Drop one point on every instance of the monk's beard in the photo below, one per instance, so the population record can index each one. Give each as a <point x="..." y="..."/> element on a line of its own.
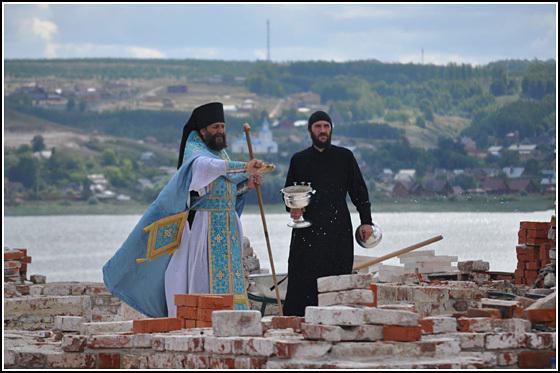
<point x="215" y="142"/>
<point x="321" y="144"/>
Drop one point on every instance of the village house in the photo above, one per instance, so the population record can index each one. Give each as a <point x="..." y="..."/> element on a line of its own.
<point x="406" y="188"/>
<point x="524" y="184"/>
<point x="436" y="187"/>
<point x="513" y="172"/>
<point x="494" y="185"/>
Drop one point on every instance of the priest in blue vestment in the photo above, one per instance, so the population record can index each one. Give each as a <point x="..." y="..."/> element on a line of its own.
<point x="190" y="238"/>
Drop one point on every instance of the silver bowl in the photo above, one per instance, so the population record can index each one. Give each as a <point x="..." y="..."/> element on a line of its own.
<point x="373" y="240"/>
<point x="298" y="197"/>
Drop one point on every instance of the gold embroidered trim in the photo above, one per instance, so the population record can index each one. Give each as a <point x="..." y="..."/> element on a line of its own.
<point x="151" y="251"/>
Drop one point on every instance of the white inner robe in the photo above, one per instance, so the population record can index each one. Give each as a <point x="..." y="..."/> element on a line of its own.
<point x="187" y="271"/>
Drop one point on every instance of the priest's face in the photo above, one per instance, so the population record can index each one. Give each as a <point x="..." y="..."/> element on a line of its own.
<point x="321" y="134"/>
<point x="214" y="136"/>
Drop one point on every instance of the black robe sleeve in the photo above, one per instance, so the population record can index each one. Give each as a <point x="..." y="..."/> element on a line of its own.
<point x="358" y="192"/>
<point x="290" y="178"/>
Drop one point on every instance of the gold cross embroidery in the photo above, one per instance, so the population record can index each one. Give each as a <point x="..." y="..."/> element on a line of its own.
<point x="168" y="232"/>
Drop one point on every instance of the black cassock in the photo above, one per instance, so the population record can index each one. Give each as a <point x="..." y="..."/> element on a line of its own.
<point x="326" y="248"/>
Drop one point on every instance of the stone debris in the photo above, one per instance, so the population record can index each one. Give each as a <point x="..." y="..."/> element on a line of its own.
<point x="422" y="323"/>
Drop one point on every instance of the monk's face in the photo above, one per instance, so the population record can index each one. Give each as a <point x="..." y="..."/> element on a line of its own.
<point x="214" y="136"/>
<point x="321" y="133"/>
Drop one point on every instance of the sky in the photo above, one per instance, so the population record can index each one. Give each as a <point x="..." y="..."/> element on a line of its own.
<point x="460" y="33"/>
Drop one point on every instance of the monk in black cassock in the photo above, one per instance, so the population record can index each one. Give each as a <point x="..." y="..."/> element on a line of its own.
<point x="326" y="248"/>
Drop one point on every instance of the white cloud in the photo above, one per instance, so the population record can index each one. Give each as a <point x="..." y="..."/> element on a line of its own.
<point x="138" y="52"/>
<point x="354" y="12"/>
<point x="439" y="59"/>
<point x="42" y="28"/>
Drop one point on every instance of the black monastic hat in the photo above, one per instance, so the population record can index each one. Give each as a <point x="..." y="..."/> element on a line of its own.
<point x="317" y="116"/>
<point x="201" y="117"/>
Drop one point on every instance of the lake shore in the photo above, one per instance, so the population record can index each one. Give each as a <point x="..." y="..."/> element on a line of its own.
<point x="436" y="204"/>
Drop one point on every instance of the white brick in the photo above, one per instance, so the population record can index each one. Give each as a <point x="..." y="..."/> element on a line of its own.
<point x="294" y="349"/>
<point x="413" y="254"/>
<point x="186" y="343"/>
<point x="388" y="273"/>
<point x="106" y="327"/>
<point x="253" y="346"/>
<point x="355" y="296"/>
<point x="390" y="317"/>
<point x="503" y="341"/>
<point x="68" y="323"/>
<point x="362" y="333"/>
<point x="469" y="341"/>
<point x="36" y="290"/>
<point x="431" y="259"/>
<point x="47" y="306"/>
<point x="400" y="307"/>
<point x="511" y="325"/>
<point x="73" y="343"/>
<point x="540" y="341"/>
<point x="334" y="315"/>
<point x="61" y="290"/>
<point x="473" y="265"/>
<point x="344" y="282"/>
<point x="333" y="333"/>
<point x="349" y="350"/>
<point x="442" y="324"/>
<point x="236" y="323"/>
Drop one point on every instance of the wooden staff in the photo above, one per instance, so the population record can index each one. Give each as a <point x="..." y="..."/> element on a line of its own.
<point x="398" y="252"/>
<point x="247" y="129"/>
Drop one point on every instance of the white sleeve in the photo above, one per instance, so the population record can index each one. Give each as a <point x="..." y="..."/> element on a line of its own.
<point x="206" y="170"/>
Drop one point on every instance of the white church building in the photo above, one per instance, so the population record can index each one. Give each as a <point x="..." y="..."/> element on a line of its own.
<point x="262" y="141"/>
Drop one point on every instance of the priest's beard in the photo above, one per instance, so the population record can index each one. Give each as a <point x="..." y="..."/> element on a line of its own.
<point x="320" y="141"/>
<point x="215" y="142"/>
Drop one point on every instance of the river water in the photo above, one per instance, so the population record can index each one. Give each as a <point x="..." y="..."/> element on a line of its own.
<point x="75" y="247"/>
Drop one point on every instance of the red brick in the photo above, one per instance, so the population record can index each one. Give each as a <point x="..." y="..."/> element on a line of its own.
<point x="187" y="324"/>
<point x="186" y="300"/>
<point x="157" y="325"/>
<point x="222" y="362"/>
<point x="527" y="252"/>
<point x="13" y="255"/>
<point x="204" y="314"/>
<point x="531" y="276"/>
<point x="26" y="259"/>
<point x="537" y="233"/>
<point x="427" y="326"/>
<point x="203" y="324"/>
<point x="544" y="252"/>
<point x="536" y="241"/>
<point x="534" y="225"/>
<point x="216" y="301"/>
<point x="543" y="315"/>
<point x="188" y="313"/>
<point x="401" y="333"/>
<point x="484" y="312"/>
<point x="533" y="266"/>
<point x="109" y="361"/>
<point x="23" y="289"/>
<point x="12" y="264"/>
<point x="535" y="359"/>
<point x="374" y="289"/>
<point x="250" y="362"/>
<point x="284" y="322"/>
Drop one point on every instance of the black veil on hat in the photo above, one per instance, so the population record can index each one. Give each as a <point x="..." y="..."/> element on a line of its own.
<point x="201" y="117"/>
